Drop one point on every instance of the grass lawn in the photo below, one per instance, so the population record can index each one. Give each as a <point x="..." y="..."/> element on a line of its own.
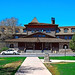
<point x="9" y="65"/>
<point x="61" y="68"/>
<point x="61" y="58"/>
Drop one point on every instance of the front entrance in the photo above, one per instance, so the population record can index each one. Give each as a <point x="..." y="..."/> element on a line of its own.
<point x="38" y="46"/>
<point x="55" y="46"/>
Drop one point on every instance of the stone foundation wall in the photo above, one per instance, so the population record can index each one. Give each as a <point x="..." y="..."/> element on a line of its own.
<point x="15" y="45"/>
<point x="2" y="44"/>
<point x="62" y="44"/>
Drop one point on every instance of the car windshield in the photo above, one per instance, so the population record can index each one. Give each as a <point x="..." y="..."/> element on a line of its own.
<point x="10" y="50"/>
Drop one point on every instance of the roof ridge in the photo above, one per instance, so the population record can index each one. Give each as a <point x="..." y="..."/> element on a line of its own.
<point x="34" y="20"/>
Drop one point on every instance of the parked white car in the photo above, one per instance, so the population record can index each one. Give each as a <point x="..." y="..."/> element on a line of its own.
<point x="10" y="51"/>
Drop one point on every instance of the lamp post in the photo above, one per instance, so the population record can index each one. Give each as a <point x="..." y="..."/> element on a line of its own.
<point x="65" y="50"/>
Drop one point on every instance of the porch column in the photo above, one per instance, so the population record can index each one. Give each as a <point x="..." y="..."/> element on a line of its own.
<point x="51" y="48"/>
<point x="33" y="46"/>
<point x="42" y="46"/>
<point x="25" y="44"/>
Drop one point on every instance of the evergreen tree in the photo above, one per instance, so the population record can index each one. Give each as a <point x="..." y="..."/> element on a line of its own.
<point x="72" y="43"/>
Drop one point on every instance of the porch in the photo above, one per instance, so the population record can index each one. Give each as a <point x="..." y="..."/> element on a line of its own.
<point x="38" y="46"/>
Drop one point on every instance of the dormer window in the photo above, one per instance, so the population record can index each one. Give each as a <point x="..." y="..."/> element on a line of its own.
<point x="73" y="29"/>
<point x="65" y="30"/>
<point x="57" y="37"/>
<point x="2" y="29"/>
<point x="39" y="30"/>
<point x="32" y="31"/>
<point x="42" y="30"/>
<point x="48" y="31"/>
<point x="17" y="30"/>
<point x="24" y="31"/>
<point x="57" y="31"/>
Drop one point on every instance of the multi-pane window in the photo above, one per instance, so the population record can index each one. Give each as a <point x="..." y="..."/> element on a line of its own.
<point x="65" y="30"/>
<point x="73" y="29"/>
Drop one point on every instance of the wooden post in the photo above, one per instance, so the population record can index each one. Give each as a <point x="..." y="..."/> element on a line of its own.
<point x="51" y="48"/>
<point x="33" y="46"/>
<point x="42" y="46"/>
<point x="25" y="44"/>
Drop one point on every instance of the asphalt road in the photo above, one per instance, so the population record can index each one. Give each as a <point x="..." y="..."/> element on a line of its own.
<point x="35" y="55"/>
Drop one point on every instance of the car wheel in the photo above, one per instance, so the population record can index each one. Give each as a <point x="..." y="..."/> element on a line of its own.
<point x="3" y="53"/>
<point x="14" y="53"/>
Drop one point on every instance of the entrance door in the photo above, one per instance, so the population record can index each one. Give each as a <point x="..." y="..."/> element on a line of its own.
<point x="21" y="45"/>
<point x="55" y="46"/>
<point x="38" y="46"/>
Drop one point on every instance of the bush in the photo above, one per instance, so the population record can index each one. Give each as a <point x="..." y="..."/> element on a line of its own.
<point x="4" y="48"/>
<point x="72" y="43"/>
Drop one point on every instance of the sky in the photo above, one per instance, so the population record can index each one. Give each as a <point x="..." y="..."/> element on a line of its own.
<point x="25" y="10"/>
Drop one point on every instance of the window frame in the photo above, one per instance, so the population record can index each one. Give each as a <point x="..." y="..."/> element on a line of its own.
<point x="65" y="30"/>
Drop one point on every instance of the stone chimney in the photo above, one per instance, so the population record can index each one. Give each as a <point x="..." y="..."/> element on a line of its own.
<point x="53" y="20"/>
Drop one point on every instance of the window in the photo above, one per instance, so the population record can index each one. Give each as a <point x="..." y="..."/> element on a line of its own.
<point x="32" y="31"/>
<point x="39" y="30"/>
<point x="39" y="35"/>
<point x="2" y="29"/>
<point x="65" y="30"/>
<point x="42" y="30"/>
<point x="57" y="31"/>
<point x="16" y="37"/>
<point x="48" y="31"/>
<point x="73" y="29"/>
<point x="66" y="37"/>
<point x="24" y="31"/>
<point x="34" y="35"/>
<point x="43" y="35"/>
<point x="17" y="30"/>
<point x="11" y="45"/>
<point x="57" y="36"/>
<point x="70" y="37"/>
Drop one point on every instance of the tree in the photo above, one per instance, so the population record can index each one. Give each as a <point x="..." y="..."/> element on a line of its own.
<point x="12" y="22"/>
<point x="72" y="43"/>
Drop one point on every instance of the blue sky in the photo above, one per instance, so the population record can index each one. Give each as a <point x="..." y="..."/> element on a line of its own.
<point x="25" y="10"/>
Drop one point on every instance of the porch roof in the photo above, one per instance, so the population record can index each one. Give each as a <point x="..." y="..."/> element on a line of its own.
<point x="37" y="40"/>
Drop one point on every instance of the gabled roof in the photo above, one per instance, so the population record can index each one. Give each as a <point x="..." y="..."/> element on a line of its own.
<point x="34" y="20"/>
<point x="41" y="34"/>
